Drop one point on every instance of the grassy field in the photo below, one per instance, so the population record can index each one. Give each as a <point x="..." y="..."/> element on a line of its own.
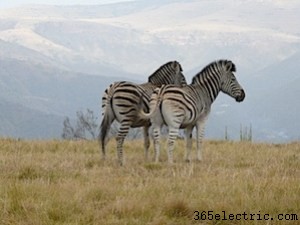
<point x="66" y="182"/>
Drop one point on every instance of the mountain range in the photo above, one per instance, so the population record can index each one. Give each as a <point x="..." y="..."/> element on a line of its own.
<point x="56" y="60"/>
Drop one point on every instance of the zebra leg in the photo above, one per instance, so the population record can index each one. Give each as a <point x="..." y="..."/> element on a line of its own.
<point x="156" y="139"/>
<point x="200" y="126"/>
<point x="104" y="148"/>
<point x="122" y="133"/>
<point x="189" y="143"/>
<point x="173" y="134"/>
<point x="146" y="141"/>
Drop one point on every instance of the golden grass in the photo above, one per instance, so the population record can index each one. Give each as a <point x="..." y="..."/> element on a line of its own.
<point x="66" y="182"/>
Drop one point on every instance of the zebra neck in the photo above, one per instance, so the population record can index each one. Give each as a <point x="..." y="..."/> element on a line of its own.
<point x="148" y="87"/>
<point x="208" y="89"/>
<point x="150" y="84"/>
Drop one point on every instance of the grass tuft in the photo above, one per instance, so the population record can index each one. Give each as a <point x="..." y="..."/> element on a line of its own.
<point x="29" y="172"/>
<point x="153" y="166"/>
<point x="178" y="208"/>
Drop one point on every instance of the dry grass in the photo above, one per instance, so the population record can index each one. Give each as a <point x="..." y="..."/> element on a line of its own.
<point x="62" y="182"/>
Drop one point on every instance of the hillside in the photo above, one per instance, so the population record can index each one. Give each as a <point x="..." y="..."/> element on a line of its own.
<point x="35" y="99"/>
<point x="59" y="59"/>
<point x="128" y="38"/>
<point x="20" y="121"/>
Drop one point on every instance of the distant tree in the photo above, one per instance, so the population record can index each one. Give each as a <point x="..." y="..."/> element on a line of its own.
<point x="246" y="133"/>
<point x="226" y="134"/>
<point x="85" y="128"/>
<point x="68" y="130"/>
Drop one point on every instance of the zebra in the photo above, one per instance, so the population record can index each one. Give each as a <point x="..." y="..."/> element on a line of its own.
<point x="122" y="100"/>
<point x="190" y="105"/>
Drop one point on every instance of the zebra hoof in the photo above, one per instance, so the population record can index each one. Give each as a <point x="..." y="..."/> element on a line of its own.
<point x="187" y="160"/>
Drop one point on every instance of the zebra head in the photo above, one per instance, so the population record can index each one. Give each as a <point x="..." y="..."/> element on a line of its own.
<point x="229" y="83"/>
<point x="179" y="78"/>
<point x="169" y="73"/>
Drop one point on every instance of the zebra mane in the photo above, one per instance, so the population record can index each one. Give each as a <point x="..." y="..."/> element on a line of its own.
<point x="214" y="66"/>
<point x="164" y="71"/>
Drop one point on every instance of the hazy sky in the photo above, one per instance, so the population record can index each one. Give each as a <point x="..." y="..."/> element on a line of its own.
<point x="13" y="3"/>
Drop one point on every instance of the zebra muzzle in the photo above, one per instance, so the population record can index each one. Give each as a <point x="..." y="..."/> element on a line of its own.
<point x="241" y="97"/>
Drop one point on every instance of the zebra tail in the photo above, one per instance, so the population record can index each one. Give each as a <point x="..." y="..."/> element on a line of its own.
<point x="107" y="117"/>
<point x="104" y="128"/>
<point x="154" y="104"/>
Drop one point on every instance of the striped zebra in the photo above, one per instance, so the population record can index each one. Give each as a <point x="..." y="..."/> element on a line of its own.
<point x="190" y="105"/>
<point x="122" y="100"/>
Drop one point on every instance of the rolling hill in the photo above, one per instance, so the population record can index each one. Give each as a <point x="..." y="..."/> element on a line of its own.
<point x="55" y="60"/>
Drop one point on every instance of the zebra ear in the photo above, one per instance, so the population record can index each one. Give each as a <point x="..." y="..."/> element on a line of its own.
<point x="176" y="66"/>
<point x="230" y="66"/>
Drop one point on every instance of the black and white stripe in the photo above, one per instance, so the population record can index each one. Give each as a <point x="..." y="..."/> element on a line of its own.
<point x="190" y="105"/>
<point x="122" y="100"/>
